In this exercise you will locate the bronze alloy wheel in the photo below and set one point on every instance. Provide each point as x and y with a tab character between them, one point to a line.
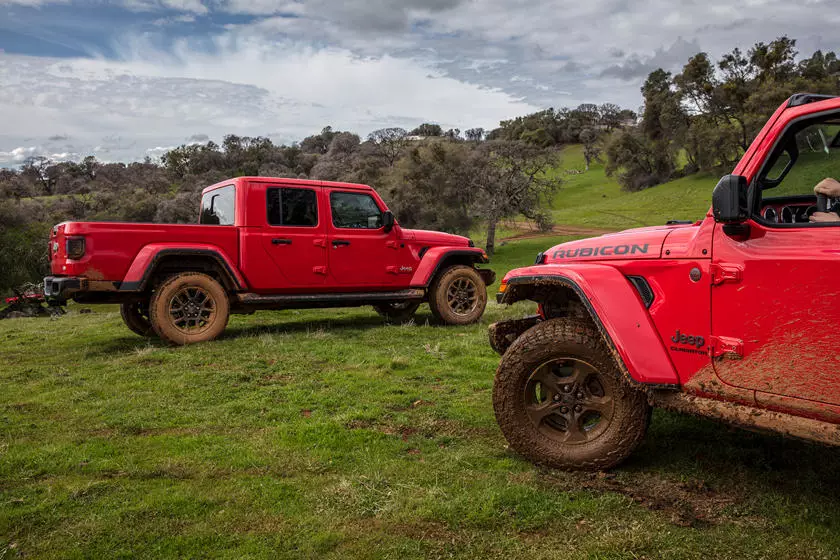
462	296
192	310
458	296
189	307
566	401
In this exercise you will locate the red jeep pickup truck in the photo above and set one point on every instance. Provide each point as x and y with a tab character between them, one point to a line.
267	243
731	317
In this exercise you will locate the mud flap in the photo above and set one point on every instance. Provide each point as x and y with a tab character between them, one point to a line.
504	333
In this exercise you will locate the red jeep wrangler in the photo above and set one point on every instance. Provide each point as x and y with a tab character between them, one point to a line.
267	243
731	317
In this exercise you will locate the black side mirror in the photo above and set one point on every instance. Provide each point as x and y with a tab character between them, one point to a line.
729	200
388	221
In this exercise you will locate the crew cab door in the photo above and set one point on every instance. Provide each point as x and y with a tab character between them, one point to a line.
287	251
776	286
361	253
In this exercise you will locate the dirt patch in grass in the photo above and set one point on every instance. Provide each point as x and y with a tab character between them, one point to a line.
691	503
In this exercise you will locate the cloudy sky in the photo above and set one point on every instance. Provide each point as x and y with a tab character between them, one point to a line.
123	79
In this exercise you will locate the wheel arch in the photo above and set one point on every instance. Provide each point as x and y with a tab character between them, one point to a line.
155	262
614	306
438	259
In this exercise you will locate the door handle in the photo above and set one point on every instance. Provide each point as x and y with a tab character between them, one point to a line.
279	241
340	243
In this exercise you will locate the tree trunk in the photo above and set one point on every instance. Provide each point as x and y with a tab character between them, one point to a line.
491	236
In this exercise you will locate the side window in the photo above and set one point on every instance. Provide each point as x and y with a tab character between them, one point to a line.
292	207
217	207
807	157
355	210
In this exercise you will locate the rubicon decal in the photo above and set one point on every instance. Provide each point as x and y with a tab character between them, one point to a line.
602	251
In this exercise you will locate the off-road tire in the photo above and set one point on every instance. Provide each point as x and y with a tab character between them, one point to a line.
165	322
439	296
135	315
401	312
566	341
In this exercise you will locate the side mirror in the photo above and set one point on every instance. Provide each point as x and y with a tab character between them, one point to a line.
388	221
729	200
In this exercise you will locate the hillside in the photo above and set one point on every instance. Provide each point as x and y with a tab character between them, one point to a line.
594	200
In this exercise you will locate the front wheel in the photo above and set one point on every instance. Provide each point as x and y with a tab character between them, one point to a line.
561	401
189	307
135	315
458	296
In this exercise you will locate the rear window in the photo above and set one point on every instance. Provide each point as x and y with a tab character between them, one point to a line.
292	207
217	207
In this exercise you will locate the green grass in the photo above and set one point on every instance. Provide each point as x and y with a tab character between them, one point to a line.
592	199
326	434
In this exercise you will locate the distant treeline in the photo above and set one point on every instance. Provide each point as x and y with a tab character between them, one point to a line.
700	119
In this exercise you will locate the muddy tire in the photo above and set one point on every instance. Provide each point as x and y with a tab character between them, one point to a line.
189	307
135	315
561	401
401	312
458	296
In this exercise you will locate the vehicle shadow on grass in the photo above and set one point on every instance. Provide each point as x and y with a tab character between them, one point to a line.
294	325
713	462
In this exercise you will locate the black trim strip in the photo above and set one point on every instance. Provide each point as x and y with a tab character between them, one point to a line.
571	284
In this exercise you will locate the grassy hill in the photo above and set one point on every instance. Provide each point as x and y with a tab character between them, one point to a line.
594	200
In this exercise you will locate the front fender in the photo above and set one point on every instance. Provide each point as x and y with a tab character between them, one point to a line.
144	262
615	306
436	257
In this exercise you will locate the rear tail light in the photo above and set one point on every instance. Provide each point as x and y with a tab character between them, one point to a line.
75	247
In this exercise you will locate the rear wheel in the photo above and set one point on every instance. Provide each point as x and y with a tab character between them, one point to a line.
458	296
189	307
397	312
561	401
135	315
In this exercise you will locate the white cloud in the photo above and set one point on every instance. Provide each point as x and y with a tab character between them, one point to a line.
245	86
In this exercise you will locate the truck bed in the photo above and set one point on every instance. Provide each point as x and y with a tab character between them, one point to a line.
111	247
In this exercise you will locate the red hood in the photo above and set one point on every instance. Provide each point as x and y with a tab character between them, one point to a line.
435	237
639	243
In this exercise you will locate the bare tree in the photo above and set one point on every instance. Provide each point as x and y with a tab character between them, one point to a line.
390	142
509	179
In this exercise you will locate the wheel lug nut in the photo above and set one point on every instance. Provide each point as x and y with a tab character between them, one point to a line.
556	398
564	410
567	389
579	395
578	408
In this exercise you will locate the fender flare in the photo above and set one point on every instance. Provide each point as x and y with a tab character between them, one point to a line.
616	309
144	263
435	257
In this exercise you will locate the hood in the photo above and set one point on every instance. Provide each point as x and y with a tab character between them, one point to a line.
435	237
639	243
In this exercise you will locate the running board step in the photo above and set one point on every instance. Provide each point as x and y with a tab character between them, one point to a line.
344	299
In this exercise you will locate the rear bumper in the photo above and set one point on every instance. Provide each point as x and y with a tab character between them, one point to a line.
62	288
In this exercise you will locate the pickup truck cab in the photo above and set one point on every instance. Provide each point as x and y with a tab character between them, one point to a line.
731	317
266	243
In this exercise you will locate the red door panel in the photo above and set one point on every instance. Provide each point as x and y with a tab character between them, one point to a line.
362	255
283	254
776	304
